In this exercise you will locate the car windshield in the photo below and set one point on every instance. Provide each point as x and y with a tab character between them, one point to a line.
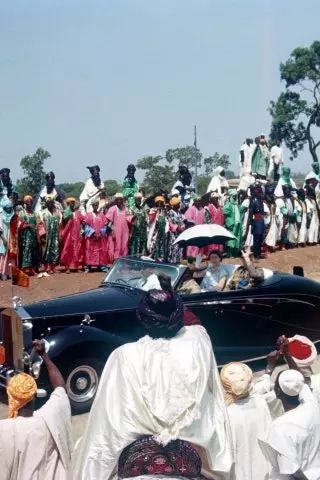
140	274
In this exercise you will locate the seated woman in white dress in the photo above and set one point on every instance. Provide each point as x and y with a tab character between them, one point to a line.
215	275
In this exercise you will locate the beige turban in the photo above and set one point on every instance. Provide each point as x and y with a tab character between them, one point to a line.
236	380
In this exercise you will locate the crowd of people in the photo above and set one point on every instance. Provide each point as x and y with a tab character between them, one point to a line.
92	232
162	410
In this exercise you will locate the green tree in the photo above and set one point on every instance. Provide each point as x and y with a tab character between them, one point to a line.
296	113
112	187
72	189
188	156
157	176
34	174
217	160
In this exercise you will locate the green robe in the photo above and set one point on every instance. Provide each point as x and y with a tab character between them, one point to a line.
232	222
138	240
51	224
129	189
29	248
261	160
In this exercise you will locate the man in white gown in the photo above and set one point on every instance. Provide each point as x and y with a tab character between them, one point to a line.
165	386
37	447
245	155
249	419
92	189
218	183
293	442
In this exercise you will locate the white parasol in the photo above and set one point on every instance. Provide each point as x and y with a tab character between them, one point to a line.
202	235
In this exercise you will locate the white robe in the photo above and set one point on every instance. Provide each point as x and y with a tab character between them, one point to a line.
264	387
293	442
44	194
245	167
313	231
38	447
302	208
89	192
279	191
275	220
217	182
165	388
250	419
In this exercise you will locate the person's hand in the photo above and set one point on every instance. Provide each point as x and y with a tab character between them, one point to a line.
272	359
97	236
113	235
246	254
282	344
39	347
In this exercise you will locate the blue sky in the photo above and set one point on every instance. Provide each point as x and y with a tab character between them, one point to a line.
111	81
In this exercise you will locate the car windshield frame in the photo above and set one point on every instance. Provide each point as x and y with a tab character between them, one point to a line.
175	271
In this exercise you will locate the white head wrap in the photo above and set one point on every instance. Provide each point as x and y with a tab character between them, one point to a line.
291	382
236	380
118	195
304	363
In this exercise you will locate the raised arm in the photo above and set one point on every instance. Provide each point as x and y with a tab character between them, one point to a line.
55	376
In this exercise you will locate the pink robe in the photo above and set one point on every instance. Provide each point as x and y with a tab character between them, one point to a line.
71	242
198	217
118	218
96	251
217	218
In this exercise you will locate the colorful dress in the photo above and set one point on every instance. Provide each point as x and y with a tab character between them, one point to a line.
176	226
214	215
231	212
117	217
138	240
197	216
9	223
71	239
129	189
28	241
157	234
51	223
98	247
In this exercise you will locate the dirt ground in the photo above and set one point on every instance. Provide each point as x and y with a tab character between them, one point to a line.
62	284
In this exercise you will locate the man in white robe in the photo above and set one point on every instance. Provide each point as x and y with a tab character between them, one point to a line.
218	183
276	161
293	442
245	155
249	419
92	189
163	387
38	447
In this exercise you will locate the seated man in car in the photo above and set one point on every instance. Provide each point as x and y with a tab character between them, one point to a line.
246	275
215	275
148	280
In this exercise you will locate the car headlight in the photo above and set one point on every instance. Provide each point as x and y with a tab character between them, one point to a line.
36	368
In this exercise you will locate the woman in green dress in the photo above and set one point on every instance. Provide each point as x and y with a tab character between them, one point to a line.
51	218
28	238
138	239
130	186
157	230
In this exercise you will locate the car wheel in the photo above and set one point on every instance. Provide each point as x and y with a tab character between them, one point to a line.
82	379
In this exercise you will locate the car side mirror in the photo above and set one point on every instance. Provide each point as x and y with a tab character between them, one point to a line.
297	270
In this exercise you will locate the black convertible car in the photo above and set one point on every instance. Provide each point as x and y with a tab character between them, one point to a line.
82	330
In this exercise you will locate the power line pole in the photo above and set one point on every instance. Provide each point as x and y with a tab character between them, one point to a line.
195	156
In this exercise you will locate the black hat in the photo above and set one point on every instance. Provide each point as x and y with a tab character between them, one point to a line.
4	170
94	167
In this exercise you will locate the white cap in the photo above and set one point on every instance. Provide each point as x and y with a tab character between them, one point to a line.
291	382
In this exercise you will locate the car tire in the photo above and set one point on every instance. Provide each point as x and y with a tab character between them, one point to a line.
82	379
